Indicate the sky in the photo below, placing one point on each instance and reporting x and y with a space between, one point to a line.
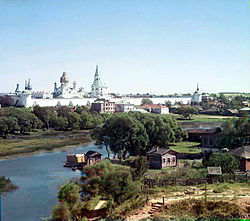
140 46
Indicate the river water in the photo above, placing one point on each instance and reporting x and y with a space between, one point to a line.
38 177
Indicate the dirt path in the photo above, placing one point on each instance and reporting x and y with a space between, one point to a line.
155 204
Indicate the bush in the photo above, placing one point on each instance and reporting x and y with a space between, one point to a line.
227 162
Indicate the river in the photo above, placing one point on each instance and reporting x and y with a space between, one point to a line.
38 177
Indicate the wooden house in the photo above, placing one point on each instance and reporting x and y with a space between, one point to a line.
210 140
161 158
93 157
75 160
243 154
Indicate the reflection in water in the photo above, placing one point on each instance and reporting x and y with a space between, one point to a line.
38 178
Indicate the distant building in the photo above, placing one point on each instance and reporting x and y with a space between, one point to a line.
65 91
211 111
155 108
197 96
103 106
66 94
160 158
124 107
98 88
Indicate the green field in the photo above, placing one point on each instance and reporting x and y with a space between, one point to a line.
42 141
202 118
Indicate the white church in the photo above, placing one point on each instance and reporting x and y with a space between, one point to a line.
66 95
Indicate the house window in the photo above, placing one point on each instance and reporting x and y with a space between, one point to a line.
205 141
151 159
168 160
164 160
173 159
211 141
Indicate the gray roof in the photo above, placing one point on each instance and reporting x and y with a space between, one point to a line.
243 152
159 151
214 170
92 153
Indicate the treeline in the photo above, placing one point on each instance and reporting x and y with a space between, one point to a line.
236 133
24 120
135 133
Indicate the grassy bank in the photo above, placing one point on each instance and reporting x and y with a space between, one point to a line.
202 118
186 147
42 141
230 202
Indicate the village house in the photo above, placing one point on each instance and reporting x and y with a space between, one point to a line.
103 106
93 157
243 154
161 158
155 108
212 111
210 139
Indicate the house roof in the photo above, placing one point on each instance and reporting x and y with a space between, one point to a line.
141 111
159 151
205 131
243 152
92 153
214 170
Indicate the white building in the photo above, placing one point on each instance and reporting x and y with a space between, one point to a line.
65 91
70 96
98 89
155 108
197 97
124 106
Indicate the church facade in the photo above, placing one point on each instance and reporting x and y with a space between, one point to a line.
98 88
65 91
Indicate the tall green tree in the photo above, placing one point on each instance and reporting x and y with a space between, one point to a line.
44 114
146 101
126 135
236 133
186 112
73 120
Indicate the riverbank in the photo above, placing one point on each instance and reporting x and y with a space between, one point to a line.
36 142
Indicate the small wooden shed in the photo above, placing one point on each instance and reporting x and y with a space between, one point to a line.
214 172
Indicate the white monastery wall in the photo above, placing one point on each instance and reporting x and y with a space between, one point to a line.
30 102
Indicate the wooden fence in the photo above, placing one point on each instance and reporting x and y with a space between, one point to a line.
195 181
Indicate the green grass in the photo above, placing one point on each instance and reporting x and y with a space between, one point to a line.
201 118
186 147
42 140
